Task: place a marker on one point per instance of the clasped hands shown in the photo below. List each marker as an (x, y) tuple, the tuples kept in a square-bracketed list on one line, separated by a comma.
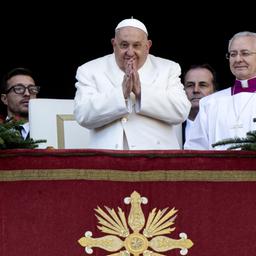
[(131, 81)]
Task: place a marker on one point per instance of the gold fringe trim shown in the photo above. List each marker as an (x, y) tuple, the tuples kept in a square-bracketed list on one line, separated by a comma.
[(130, 176)]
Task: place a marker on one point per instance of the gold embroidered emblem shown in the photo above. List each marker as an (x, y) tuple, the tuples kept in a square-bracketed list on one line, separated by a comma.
[(135, 243)]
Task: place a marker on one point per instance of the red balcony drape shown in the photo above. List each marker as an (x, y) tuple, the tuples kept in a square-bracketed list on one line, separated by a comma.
[(48, 197)]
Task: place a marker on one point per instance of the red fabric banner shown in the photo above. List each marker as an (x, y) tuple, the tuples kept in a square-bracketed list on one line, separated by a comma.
[(48, 198)]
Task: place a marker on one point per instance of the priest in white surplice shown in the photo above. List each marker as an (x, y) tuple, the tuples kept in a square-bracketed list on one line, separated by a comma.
[(230, 112)]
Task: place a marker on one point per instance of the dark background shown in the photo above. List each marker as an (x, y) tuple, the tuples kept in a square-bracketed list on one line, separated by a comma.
[(54, 40)]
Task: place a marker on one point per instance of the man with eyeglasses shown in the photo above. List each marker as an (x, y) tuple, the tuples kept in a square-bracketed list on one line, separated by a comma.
[(18, 87), (229, 113)]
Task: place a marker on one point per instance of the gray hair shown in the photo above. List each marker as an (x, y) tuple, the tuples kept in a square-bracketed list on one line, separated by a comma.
[(239, 34)]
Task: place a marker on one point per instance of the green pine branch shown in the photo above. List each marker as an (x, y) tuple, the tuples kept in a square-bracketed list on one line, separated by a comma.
[(246, 143), (11, 138)]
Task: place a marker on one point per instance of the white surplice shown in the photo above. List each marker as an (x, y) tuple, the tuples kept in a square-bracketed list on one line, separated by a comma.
[(222, 116)]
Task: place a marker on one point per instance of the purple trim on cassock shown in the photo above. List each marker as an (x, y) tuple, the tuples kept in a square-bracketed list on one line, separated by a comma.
[(237, 88)]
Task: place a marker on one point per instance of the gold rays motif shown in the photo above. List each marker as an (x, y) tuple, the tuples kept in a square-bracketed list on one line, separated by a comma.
[(127, 239)]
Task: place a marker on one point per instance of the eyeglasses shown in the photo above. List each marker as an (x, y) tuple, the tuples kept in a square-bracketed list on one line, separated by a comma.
[(20, 89), (243, 54)]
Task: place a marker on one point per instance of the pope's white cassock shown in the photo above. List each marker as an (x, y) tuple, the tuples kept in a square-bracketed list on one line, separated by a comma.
[(148, 123), (222, 115)]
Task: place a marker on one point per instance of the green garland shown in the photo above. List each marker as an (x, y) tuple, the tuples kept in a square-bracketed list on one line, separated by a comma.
[(247, 143), (11, 138)]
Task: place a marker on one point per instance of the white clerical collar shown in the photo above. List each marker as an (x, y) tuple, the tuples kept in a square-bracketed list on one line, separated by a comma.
[(244, 83)]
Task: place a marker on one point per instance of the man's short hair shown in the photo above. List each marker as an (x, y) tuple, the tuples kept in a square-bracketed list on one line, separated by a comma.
[(14, 72)]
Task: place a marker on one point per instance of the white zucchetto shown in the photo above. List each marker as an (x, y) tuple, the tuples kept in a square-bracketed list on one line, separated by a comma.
[(132, 23)]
